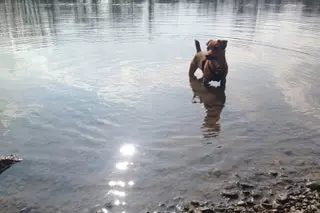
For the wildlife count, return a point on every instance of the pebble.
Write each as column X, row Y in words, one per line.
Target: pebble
column 230, row 194
column 273, row 173
column 206, row 210
column 256, row 194
column 241, row 203
column 245, row 186
column 246, row 193
column 282, row 198
column 195, row 203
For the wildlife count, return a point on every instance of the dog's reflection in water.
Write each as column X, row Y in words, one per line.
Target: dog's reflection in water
column 213, row 99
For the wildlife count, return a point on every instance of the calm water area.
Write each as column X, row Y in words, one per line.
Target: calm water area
column 96, row 99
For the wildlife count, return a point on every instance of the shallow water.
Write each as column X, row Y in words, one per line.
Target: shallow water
column 96, row 99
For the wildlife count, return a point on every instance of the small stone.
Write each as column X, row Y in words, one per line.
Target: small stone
column 206, row 210
column 195, row 203
column 273, row 173
column 245, row 186
column 246, row 193
column 171, row 207
column 282, row 198
column 177, row 198
column 314, row 208
column 250, row 201
column 237, row 210
column 265, row 200
column 186, row 208
column 230, row 194
column 162, row 205
column 256, row 193
column 266, row 203
column 241, row 203
column 288, row 187
column 277, row 205
column 108, row 205
column 220, row 209
column 270, row 192
column 256, row 208
column 219, row 146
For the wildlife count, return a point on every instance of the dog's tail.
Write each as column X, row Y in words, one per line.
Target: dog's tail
column 197, row 45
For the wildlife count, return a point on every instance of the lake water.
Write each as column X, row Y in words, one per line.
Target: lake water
column 96, row 98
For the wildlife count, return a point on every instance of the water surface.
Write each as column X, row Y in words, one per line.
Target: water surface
column 95, row 97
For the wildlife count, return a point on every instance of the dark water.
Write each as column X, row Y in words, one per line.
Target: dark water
column 95, row 97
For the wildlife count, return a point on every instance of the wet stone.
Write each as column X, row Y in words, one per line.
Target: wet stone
column 178, row 198
column 206, row 210
column 245, row 186
column 241, row 203
column 230, row 194
column 195, row 203
column 267, row 205
column 108, row 205
column 246, row 193
column 282, row 198
column 256, row 194
column 273, row 173
column 162, row 205
column 250, row 201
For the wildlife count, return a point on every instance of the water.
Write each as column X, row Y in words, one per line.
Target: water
column 95, row 97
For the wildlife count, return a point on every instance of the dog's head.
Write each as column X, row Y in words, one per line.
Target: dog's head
column 216, row 47
column 216, row 52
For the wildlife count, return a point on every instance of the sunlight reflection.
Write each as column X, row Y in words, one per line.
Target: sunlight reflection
column 127, row 150
column 112, row 183
column 118, row 193
column 122, row 165
column 121, row 183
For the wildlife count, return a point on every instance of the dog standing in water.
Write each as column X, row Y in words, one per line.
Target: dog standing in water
column 212, row 62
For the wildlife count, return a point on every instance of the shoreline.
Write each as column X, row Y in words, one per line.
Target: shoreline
column 287, row 195
column 284, row 192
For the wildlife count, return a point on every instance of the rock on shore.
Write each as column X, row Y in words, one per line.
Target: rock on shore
column 7, row 162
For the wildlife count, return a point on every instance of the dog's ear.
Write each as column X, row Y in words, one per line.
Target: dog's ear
column 223, row 43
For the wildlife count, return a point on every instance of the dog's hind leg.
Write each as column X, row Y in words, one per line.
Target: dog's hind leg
column 192, row 68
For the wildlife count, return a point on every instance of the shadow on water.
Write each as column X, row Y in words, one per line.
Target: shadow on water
column 150, row 17
column 213, row 100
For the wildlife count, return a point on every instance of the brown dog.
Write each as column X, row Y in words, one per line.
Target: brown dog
column 212, row 62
